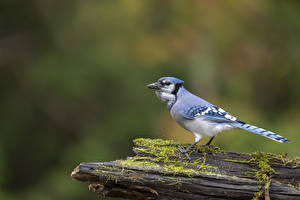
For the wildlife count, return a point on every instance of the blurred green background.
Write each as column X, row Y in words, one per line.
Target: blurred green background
column 73, row 76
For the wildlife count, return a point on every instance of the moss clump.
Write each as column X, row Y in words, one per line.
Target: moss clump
column 211, row 149
column 144, row 165
column 296, row 162
column 163, row 155
column 282, row 159
column 154, row 142
column 264, row 172
column 165, row 149
column 297, row 186
column 262, row 161
column 258, row 195
column 170, row 168
column 162, row 150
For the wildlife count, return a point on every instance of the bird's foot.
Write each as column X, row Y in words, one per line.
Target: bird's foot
column 184, row 151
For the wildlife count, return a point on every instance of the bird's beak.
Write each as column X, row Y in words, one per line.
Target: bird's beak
column 153, row 86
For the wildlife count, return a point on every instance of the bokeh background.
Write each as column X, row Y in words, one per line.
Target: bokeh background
column 73, row 76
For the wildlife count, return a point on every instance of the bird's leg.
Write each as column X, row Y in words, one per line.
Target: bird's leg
column 211, row 139
column 186, row 150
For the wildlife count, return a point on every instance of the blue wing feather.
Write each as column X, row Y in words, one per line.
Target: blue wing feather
column 191, row 112
column 211, row 113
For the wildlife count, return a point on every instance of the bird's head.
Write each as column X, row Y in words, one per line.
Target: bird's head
column 166, row 88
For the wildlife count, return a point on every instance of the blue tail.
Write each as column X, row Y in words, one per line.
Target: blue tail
column 260, row 131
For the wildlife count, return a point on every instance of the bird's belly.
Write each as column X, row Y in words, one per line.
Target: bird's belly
column 203, row 127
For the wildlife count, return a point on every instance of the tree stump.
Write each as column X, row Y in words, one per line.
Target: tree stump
column 160, row 171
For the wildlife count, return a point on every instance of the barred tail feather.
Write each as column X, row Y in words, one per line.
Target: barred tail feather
column 260, row 131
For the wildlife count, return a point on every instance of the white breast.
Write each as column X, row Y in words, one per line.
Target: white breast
column 201, row 127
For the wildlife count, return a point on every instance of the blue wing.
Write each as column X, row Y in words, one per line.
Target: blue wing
column 211, row 113
column 218, row 115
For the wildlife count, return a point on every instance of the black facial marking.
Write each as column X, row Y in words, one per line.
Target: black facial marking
column 164, row 82
column 177, row 86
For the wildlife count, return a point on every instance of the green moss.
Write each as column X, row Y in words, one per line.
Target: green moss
column 162, row 150
column 283, row 160
column 163, row 155
column 294, row 186
column 264, row 172
column 140, row 165
column 296, row 162
column 171, row 167
column 262, row 161
column 258, row 195
column 211, row 149
column 174, row 181
column 154, row 142
column 167, row 149
column 238, row 161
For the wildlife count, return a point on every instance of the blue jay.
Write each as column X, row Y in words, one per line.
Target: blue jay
column 200, row 117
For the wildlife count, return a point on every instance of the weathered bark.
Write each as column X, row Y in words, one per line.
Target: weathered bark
column 159, row 171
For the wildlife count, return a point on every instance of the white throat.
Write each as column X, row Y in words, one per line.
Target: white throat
column 167, row 97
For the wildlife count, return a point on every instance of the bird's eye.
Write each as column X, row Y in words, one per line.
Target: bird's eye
column 164, row 82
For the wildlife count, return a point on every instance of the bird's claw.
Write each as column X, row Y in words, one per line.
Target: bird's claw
column 184, row 151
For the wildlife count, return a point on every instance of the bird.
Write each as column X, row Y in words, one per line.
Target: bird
column 199, row 116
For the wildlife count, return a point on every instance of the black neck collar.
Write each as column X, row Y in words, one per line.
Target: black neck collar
column 177, row 86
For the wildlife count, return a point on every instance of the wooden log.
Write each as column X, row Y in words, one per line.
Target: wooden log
column 160, row 171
